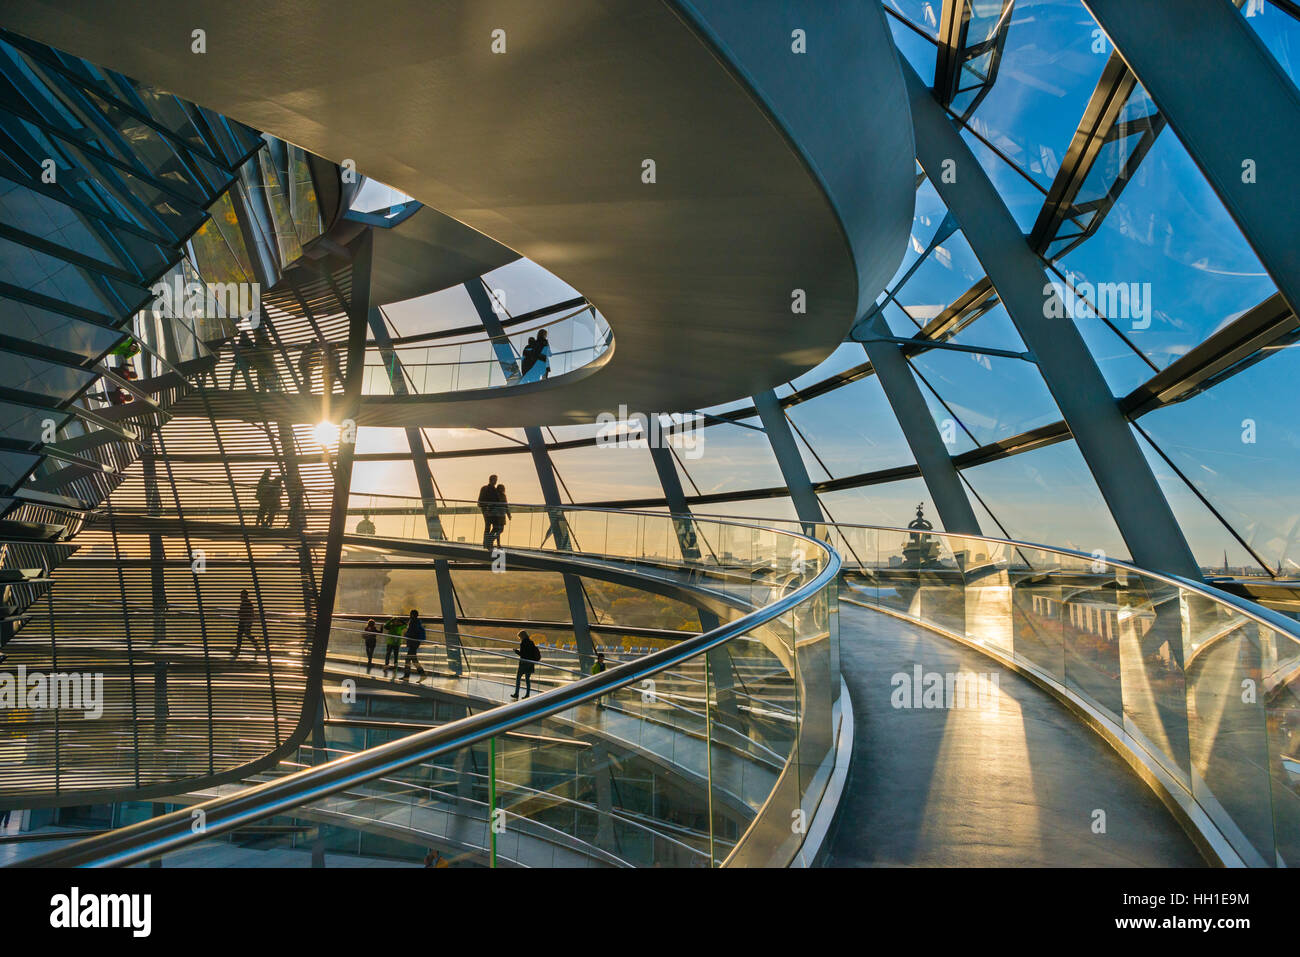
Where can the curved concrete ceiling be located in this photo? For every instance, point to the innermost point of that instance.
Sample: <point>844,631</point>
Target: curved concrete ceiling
<point>543,148</point>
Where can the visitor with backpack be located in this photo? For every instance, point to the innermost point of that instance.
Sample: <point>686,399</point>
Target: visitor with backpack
<point>529,356</point>
<point>529,654</point>
<point>414,638</point>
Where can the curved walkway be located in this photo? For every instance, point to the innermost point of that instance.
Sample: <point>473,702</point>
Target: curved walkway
<point>1011,786</point>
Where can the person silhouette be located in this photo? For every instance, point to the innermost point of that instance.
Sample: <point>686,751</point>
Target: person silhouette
<point>487,503</point>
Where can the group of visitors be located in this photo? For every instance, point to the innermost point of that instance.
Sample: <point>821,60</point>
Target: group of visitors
<point>255,358</point>
<point>269,494</point>
<point>270,497</point>
<point>397,628</point>
<point>495,507</point>
<point>536,357</point>
<point>412,630</point>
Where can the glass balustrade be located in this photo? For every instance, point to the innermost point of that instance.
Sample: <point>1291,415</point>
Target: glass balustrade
<point>1196,682</point>
<point>716,755</point>
<point>576,340</point>
<point>1199,686</point>
<point>720,759</point>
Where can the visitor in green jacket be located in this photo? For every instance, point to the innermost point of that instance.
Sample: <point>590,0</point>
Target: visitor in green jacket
<point>394,628</point>
<point>128,348</point>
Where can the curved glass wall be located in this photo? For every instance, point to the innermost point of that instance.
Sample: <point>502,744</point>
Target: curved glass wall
<point>1218,437</point>
<point>1200,686</point>
<point>745,716</point>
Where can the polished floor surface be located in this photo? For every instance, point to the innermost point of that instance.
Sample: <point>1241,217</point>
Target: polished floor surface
<point>1016,784</point>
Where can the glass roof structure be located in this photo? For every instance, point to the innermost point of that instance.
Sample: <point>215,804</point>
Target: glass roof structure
<point>252,395</point>
<point>1108,196</point>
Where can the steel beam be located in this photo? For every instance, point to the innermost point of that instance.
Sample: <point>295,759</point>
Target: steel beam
<point>1244,135</point>
<point>1104,123</point>
<point>560,532</point>
<point>1109,447</point>
<point>1248,339</point>
<point>789,460</point>
<point>157,581</point>
<point>721,667</point>
<point>320,756</point>
<point>357,310</point>
<point>428,494</point>
<point>923,438</point>
<point>963,58</point>
<point>501,346</point>
<point>545,474</point>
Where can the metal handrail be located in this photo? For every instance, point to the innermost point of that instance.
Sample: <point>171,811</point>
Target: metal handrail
<point>123,847</point>
<point>169,833</point>
<point>469,506</point>
<point>398,346</point>
<point>1264,616</point>
<point>408,787</point>
<point>602,342</point>
<point>478,362</point>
